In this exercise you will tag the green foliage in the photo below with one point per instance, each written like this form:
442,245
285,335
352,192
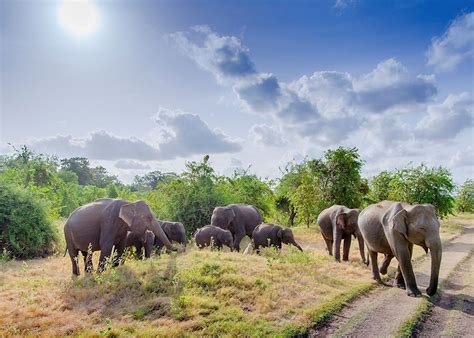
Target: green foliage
415,186
307,188
152,180
26,230
465,197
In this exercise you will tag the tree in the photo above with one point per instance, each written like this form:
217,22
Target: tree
465,197
79,166
416,186
380,186
151,180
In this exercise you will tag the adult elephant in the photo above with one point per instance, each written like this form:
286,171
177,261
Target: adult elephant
174,231
103,225
239,219
392,228
339,223
141,242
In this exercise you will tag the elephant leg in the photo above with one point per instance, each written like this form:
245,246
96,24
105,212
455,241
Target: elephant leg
375,268
73,253
345,248
237,238
329,246
385,264
336,248
105,253
138,251
399,281
403,255
120,248
87,261
360,239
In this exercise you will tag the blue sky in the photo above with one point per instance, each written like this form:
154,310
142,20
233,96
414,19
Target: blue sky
250,83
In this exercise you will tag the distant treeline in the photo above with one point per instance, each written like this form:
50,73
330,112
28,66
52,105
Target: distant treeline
36,189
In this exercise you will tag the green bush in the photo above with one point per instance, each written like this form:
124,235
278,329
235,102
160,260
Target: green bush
416,186
465,197
25,228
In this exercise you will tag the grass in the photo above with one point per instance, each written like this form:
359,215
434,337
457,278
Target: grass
196,293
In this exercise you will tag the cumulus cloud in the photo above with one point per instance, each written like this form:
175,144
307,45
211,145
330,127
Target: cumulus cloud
267,135
224,56
324,107
131,165
454,46
187,134
463,158
180,135
446,120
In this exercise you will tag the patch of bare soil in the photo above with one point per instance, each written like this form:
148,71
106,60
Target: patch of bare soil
453,313
382,312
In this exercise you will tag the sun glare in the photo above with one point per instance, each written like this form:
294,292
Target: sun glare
80,17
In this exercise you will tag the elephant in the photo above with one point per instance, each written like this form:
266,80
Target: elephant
239,219
392,228
265,235
174,231
103,225
210,235
339,223
141,241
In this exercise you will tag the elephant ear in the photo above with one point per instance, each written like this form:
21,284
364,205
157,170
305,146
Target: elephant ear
341,220
231,213
280,233
127,213
399,222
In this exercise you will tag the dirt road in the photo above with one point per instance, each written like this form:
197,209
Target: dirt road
384,311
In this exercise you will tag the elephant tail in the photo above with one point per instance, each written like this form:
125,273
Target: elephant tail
65,252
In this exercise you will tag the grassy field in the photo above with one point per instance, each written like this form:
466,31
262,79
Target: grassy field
187,294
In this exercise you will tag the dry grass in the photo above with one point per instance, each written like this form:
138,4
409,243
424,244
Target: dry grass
193,293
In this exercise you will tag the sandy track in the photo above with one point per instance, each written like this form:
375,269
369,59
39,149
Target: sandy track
453,313
382,312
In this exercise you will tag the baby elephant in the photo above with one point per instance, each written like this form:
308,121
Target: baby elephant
174,231
210,235
265,235
140,241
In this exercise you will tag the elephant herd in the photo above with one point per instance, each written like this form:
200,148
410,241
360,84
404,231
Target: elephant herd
387,227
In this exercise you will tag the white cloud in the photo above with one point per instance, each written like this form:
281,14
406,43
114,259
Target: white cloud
447,119
131,165
463,158
267,135
180,135
454,46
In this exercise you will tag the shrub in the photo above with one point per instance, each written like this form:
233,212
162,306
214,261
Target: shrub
465,197
25,228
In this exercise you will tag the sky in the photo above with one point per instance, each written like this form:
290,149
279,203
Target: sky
144,85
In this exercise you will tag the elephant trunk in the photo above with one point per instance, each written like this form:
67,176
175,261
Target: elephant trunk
156,229
298,246
436,253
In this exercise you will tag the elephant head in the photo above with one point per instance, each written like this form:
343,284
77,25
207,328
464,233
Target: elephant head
139,218
226,238
346,219
222,217
417,224
286,237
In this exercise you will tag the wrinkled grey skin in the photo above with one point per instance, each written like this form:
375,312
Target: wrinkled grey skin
239,219
392,228
339,223
215,236
141,241
104,224
265,235
174,231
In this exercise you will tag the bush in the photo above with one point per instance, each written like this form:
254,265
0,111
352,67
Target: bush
415,186
465,197
25,229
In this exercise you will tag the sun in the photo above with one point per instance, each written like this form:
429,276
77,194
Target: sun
80,17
